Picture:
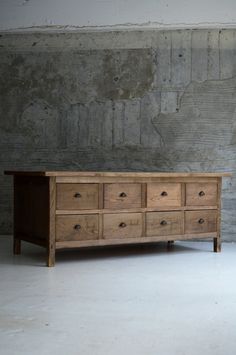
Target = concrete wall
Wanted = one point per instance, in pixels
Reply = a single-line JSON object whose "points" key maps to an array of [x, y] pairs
{"points": [[119, 100], [27, 13]]}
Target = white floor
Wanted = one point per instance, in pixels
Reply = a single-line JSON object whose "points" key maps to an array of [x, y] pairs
{"points": [[117, 301]]}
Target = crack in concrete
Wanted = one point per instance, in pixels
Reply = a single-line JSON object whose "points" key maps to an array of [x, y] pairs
{"points": [[127, 26], [162, 141]]}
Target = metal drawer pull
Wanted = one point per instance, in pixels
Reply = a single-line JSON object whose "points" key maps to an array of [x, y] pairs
{"points": [[164, 193], [77, 195], [122, 225], [77, 227], [201, 221], [163, 223], [123, 194], [201, 193]]}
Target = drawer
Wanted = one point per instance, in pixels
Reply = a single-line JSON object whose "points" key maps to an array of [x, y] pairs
{"points": [[122, 225], [201, 194], [119, 196], [77, 196], [77, 227], [163, 194], [201, 221], [164, 223]]}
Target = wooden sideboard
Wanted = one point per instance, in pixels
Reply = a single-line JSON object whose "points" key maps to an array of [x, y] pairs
{"points": [[79, 209]]}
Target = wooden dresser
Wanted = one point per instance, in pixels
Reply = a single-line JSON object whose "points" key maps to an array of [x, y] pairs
{"points": [[80, 209]]}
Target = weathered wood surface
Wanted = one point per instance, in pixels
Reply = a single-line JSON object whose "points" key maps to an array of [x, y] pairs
{"points": [[81, 227], [164, 194], [200, 221], [117, 174], [164, 223], [77, 196], [119, 196], [52, 214]]}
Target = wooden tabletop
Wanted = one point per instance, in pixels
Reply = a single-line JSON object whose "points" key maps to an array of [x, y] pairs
{"points": [[118, 174]]}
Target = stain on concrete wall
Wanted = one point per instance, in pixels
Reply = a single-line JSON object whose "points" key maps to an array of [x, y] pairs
{"points": [[138, 100]]}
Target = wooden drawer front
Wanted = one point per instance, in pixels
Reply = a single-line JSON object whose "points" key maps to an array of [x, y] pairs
{"points": [[123, 225], [201, 194], [200, 221], [77, 196], [77, 227], [164, 223], [163, 194], [118, 196]]}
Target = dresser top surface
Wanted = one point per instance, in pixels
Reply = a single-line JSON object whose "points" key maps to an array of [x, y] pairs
{"points": [[117, 174]]}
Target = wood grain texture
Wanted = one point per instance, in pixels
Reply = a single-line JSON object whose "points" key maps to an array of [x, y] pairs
{"points": [[217, 241], [77, 196], [163, 223], [201, 194], [133, 210], [31, 210], [117, 174], [128, 179], [183, 194], [51, 247], [143, 195], [101, 196], [124, 241], [123, 225], [81, 227], [163, 194], [119, 196], [201, 221]]}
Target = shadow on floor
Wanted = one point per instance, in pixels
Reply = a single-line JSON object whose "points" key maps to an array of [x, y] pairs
{"points": [[123, 251], [34, 255]]}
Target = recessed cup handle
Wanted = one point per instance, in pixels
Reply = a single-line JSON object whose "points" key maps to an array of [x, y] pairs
{"points": [[123, 194], [163, 223], [77, 227], [122, 225], [77, 195]]}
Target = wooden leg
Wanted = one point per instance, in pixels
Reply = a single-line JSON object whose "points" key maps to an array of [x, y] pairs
{"points": [[217, 245], [17, 246], [51, 247], [169, 244], [51, 256]]}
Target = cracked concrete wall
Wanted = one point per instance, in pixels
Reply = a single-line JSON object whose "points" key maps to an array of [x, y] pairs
{"points": [[139, 100]]}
